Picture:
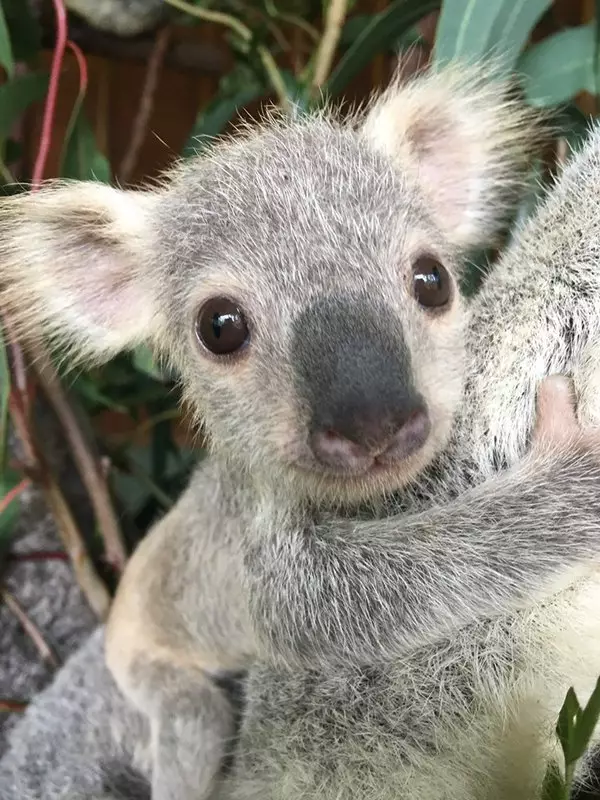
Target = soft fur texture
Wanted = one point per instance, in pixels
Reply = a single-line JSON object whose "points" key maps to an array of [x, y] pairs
{"points": [[267, 554]]}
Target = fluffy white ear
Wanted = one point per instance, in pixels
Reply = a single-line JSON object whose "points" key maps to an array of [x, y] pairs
{"points": [[76, 265], [465, 137]]}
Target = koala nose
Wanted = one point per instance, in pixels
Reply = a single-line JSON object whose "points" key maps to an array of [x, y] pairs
{"points": [[355, 377], [354, 443]]}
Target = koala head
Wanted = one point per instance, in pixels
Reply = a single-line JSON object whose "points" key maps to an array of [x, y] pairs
{"points": [[302, 278]]}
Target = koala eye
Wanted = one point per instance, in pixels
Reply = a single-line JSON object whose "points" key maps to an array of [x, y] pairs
{"points": [[221, 326], [431, 282]]}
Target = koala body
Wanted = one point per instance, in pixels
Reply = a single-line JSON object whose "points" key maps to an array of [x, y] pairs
{"points": [[471, 715], [304, 281]]}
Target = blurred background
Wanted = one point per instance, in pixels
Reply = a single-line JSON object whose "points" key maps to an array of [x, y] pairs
{"points": [[116, 90]]}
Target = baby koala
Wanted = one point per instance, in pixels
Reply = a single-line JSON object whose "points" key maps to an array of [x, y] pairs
{"points": [[304, 281]]}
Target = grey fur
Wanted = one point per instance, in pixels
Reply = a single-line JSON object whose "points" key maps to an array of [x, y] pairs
{"points": [[293, 573], [121, 17]]}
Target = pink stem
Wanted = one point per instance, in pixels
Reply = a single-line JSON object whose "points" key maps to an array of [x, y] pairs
{"points": [[50, 106]]}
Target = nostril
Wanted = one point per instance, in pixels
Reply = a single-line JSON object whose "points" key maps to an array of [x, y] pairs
{"points": [[410, 436], [335, 450]]}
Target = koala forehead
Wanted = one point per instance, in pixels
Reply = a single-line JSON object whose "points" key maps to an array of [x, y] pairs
{"points": [[301, 209]]}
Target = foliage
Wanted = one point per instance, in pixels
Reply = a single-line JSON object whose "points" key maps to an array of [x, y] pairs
{"points": [[149, 466]]}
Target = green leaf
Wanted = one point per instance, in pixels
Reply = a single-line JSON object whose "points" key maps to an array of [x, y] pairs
{"points": [[24, 29], [17, 95], [559, 67], [553, 787], [235, 92], [88, 390], [378, 34], [13, 151], [4, 395], [513, 25], [573, 125], [143, 360], [81, 157], [470, 29], [586, 724], [6, 52], [567, 720]]}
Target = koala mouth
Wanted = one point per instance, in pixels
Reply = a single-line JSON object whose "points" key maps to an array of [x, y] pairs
{"points": [[336, 454]]}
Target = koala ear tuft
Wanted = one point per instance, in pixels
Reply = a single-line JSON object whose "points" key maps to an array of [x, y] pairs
{"points": [[466, 138], [76, 266]]}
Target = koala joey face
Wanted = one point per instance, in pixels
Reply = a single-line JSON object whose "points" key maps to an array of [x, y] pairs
{"points": [[315, 309], [303, 278]]}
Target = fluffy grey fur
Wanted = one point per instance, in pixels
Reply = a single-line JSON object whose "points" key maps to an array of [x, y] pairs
{"points": [[266, 555], [122, 17]]}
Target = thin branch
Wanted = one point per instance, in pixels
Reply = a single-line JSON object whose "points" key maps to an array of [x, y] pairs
{"points": [[217, 17], [334, 21], [36, 555], [234, 24], [88, 466], [95, 591], [14, 493], [146, 106], [8, 706], [91, 585], [30, 628], [292, 19]]}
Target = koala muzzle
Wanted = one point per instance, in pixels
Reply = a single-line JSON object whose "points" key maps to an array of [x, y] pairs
{"points": [[353, 372]]}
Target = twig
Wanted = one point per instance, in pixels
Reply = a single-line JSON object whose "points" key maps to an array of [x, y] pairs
{"points": [[234, 24], [89, 582], [334, 20], [15, 492], [30, 628], [36, 555], [87, 577], [140, 126], [88, 466], [12, 706], [217, 17]]}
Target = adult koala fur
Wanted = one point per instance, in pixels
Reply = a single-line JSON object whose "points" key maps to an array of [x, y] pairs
{"points": [[343, 270]]}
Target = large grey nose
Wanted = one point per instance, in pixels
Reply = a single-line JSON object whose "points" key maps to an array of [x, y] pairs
{"points": [[356, 444], [354, 372]]}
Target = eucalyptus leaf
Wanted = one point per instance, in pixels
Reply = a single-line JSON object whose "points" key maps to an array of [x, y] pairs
{"points": [[144, 361], [16, 95], [6, 52], [585, 726], [236, 90], [471, 29], [567, 720], [377, 35], [13, 151], [559, 67], [24, 29]]}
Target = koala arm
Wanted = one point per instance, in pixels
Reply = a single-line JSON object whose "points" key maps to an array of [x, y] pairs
{"points": [[359, 592]]}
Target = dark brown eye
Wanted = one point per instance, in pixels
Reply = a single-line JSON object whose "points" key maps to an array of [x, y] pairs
{"points": [[221, 326], [431, 282]]}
